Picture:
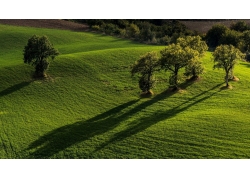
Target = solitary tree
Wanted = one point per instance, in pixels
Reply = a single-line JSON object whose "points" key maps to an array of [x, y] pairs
{"points": [[146, 66], [175, 57], [194, 68], [226, 56], [37, 52]]}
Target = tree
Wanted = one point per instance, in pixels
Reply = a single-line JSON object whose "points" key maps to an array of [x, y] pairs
{"points": [[230, 37], [194, 68], [245, 41], [37, 51], [146, 66], [133, 31], [214, 35], [226, 56], [175, 57]]}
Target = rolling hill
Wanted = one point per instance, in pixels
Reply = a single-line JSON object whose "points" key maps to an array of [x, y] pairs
{"points": [[90, 107]]}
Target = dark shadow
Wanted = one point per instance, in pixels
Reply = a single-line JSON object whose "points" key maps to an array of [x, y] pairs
{"points": [[66, 136], [14, 88], [146, 122], [63, 137], [247, 65]]}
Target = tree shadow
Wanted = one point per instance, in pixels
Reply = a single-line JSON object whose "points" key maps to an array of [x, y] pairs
{"points": [[146, 122], [66, 136], [14, 88]]}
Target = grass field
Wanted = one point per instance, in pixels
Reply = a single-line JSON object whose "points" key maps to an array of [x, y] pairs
{"points": [[89, 107]]}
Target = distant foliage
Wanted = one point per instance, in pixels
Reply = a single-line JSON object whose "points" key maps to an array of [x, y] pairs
{"points": [[231, 37], [240, 26], [133, 31], [37, 53], [245, 41], [214, 35], [237, 35], [147, 31]]}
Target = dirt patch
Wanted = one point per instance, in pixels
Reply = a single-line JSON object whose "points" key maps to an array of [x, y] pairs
{"points": [[46, 23], [204, 26], [148, 94], [226, 87], [235, 79]]}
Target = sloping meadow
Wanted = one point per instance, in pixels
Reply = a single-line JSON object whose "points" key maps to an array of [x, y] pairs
{"points": [[89, 106]]}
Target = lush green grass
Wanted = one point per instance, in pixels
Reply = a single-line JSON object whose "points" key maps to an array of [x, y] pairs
{"points": [[90, 106]]}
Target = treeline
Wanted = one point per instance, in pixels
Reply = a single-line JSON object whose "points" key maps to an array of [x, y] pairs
{"points": [[152, 31], [238, 35], [166, 32]]}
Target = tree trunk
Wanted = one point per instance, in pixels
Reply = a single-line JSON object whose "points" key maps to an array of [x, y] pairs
{"points": [[176, 78], [226, 78], [174, 81], [195, 76], [149, 77], [41, 68]]}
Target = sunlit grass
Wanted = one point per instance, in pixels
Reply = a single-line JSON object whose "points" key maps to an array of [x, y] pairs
{"points": [[90, 107]]}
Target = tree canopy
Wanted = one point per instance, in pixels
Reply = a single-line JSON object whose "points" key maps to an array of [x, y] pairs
{"points": [[146, 66], [214, 35], [173, 58], [226, 56], [194, 68]]}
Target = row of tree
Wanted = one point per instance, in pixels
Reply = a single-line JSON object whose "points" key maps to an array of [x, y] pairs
{"points": [[185, 53]]}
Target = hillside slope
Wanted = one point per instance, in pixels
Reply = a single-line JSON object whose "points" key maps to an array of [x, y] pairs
{"points": [[90, 107]]}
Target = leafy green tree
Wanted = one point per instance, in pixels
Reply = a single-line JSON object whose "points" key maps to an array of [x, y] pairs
{"points": [[194, 67], [133, 31], [230, 37], [226, 56], [245, 41], [214, 35], [175, 57], [146, 66], [37, 52]]}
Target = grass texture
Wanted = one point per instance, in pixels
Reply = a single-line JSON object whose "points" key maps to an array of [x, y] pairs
{"points": [[90, 107]]}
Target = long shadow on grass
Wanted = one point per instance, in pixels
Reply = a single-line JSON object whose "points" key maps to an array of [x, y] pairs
{"points": [[144, 123], [66, 136], [14, 88]]}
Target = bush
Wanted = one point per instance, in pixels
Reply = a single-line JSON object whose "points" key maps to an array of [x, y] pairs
{"points": [[95, 27], [133, 31]]}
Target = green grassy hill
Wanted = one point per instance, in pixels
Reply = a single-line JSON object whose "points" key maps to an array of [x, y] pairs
{"points": [[89, 107]]}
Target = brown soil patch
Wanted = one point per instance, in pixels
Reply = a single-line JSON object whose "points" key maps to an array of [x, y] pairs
{"points": [[226, 87], [204, 26], [235, 79], [148, 94], [46, 23]]}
